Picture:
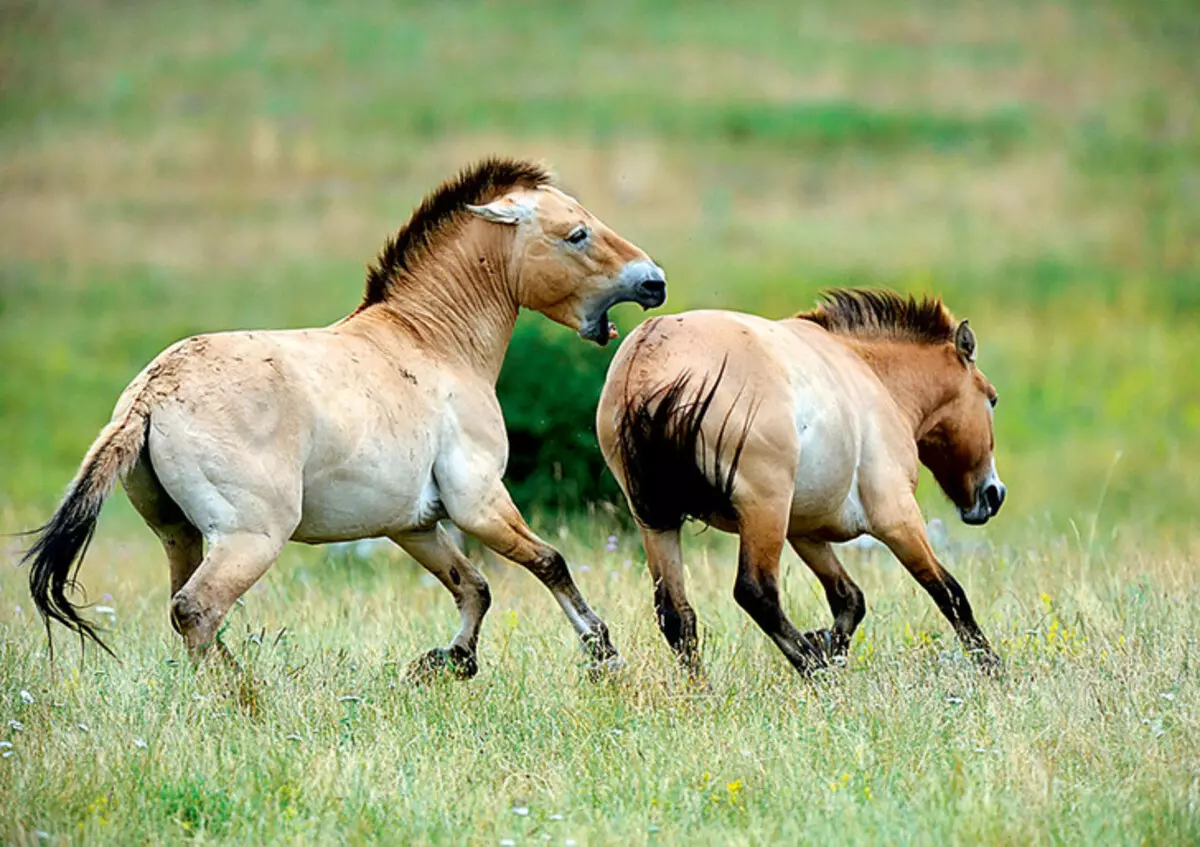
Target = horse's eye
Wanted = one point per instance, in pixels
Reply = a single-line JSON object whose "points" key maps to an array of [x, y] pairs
{"points": [[578, 235], [994, 399]]}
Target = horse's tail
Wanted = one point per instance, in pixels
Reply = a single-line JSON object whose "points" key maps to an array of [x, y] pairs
{"points": [[666, 461], [60, 545]]}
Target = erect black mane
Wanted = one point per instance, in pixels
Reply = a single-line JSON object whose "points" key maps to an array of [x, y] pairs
{"points": [[883, 314], [475, 184]]}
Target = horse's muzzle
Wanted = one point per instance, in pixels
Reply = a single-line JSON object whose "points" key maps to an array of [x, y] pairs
{"points": [[642, 282], [645, 283], [989, 497]]}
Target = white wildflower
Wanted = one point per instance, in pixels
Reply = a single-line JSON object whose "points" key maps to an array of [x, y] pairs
{"points": [[27, 697], [520, 811], [140, 743], [83, 727], [16, 726]]}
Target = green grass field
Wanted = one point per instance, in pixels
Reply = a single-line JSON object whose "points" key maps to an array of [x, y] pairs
{"points": [[168, 169]]}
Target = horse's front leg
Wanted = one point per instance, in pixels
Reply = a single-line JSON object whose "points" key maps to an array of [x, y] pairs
{"points": [[436, 552], [910, 545], [497, 524]]}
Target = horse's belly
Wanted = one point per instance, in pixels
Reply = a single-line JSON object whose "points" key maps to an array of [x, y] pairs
{"points": [[346, 506], [825, 501]]}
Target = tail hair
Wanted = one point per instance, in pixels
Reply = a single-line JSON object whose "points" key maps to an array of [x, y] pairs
{"points": [[60, 545], [662, 446]]}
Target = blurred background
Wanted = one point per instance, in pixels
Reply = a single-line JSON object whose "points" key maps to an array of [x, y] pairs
{"points": [[175, 168]]}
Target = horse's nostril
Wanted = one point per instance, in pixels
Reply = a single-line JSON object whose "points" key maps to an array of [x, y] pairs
{"points": [[994, 496], [655, 287]]}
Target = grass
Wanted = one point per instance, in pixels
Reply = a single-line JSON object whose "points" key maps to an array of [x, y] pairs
{"points": [[170, 169], [1092, 735]]}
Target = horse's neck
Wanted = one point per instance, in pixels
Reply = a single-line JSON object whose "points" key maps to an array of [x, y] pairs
{"points": [[459, 309], [911, 373]]}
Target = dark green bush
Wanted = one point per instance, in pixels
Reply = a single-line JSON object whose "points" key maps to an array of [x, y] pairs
{"points": [[548, 389]]}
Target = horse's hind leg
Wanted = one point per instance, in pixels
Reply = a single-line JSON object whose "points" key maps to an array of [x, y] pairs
{"points": [[676, 619], [763, 532], [436, 552], [180, 539], [233, 563], [845, 598]]}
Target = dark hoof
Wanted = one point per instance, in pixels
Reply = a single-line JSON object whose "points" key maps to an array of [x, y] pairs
{"points": [[600, 648], [439, 662], [598, 671], [830, 645], [990, 664]]}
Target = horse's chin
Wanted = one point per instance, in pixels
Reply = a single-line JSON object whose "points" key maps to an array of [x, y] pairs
{"points": [[977, 515]]}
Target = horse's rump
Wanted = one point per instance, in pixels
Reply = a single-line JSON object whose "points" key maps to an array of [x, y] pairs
{"points": [[665, 456]]}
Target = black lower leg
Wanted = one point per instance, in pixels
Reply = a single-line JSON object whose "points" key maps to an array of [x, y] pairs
{"points": [[760, 599], [551, 568], [952, 601], [678, 626], [848, 605]]}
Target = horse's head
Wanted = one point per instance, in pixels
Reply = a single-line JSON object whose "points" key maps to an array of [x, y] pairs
{"points": [[568, 265], [957, 446]]}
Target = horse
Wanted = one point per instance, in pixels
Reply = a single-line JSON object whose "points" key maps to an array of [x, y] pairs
{"points": [[807, 430], [379, 425]]}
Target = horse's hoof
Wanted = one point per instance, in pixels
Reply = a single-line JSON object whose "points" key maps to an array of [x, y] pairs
{"points": [[601, 669], [439, 662], [990, 664], [827, 644]]}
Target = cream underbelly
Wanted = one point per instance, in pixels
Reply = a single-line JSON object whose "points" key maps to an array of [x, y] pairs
{"points": [[348, 508]]}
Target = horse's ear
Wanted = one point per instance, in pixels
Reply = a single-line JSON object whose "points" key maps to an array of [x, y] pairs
{"points": [[964, 342], [506, 210]]}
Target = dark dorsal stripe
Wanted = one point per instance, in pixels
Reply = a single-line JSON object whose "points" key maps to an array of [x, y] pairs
{"points": [[479, 183], [870, 313]]}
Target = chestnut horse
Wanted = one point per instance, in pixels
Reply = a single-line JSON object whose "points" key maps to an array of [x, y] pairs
{"points": [[379, 425], [807, 430]]}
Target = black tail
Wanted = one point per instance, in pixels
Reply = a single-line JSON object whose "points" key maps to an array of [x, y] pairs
{"points": [[665, 458], [55, 558], [56, 555]]}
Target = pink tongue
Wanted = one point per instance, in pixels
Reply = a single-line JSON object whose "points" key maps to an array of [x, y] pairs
{"points": [[612, 330]]}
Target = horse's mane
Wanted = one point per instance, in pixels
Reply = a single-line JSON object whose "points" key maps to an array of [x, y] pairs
{"points": [[475, 184], [868, 313]]}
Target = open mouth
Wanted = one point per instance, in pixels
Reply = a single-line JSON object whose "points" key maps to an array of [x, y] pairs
{"points": [[648, 290], [599, 329]]}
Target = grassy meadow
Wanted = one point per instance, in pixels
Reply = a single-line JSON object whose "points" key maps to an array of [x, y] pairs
{"points": [[169, 169]]}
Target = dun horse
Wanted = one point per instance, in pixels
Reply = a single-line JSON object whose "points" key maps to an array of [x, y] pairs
{"points": [[378, 425], [807, 430]]}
